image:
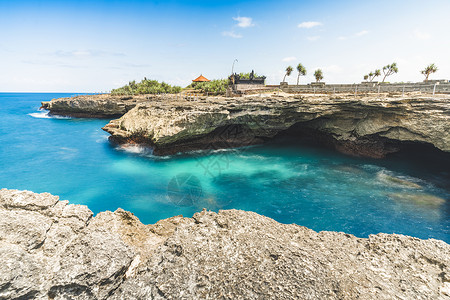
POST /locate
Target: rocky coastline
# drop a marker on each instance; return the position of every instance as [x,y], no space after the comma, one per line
[371,125]
[55,250]
[102,106]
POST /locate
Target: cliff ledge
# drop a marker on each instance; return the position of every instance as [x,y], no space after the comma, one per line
[370,126]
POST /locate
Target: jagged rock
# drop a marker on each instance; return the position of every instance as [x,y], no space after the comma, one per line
[227,255]
[369,126]
[93,106]
[54,249]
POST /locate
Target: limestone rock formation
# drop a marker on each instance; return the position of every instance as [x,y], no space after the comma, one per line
[51,248]
[54,250]
[93,106]
[367,126]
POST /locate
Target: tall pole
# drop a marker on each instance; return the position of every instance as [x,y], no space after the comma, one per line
[232,68]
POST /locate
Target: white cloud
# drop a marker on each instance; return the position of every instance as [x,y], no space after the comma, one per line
[289,58]
[85,53]
[356,35]
[51,62]
[232,34]
[420,35]
[309,24]
[361,33]
[313,38]
[244,22]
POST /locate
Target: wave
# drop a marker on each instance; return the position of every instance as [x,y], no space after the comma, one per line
[102,139]
[136,149]
[40,115]
[148,152]
[232,150]
[45,115]
[142,151]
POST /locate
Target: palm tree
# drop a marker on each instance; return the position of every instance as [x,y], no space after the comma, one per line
[389,70]
[377,73]
[432,68]
[318,74]
[371,76]
[288,72]
[301,71]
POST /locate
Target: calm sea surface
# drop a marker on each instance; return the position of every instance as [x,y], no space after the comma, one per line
[292,183]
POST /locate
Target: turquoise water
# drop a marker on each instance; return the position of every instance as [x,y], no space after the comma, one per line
[292,183]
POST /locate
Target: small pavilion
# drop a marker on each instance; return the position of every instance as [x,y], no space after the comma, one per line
[201,78]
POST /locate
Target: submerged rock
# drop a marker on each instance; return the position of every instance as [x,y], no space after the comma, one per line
[393,180]
[52,249]
[418,198]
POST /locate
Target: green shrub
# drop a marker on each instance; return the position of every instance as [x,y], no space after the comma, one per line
[213,87]
[247,75]
[146,86]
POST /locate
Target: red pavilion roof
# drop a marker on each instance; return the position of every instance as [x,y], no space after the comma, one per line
[200,79]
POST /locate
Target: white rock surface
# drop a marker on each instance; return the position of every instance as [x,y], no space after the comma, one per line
[50,249]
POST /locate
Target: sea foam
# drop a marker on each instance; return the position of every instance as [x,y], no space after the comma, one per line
[45,115]
[135,149]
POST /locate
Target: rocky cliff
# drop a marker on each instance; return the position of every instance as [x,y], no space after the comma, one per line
[51,249]
[366,126]
[93,106]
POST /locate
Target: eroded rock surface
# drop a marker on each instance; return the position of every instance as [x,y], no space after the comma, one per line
[93,106]
[370,126]
[54,250]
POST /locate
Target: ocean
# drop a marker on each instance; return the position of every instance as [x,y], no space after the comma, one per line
[291,182]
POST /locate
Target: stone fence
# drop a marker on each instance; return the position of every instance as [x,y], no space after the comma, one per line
[440,87]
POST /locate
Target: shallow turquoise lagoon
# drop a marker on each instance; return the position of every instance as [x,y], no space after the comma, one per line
[292,183]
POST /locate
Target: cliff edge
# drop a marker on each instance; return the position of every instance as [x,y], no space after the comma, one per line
[370,126]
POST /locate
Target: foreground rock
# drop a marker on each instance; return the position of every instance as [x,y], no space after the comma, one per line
[51,249]
[370,126]
[93,106]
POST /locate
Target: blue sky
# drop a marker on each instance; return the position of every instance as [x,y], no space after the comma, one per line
[93,46]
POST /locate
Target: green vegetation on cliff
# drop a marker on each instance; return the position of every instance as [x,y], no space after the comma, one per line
[146,86]
[213,87]
[247,75]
